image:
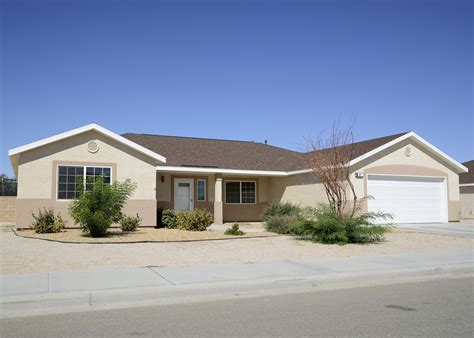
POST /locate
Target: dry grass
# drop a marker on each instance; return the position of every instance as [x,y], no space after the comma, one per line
[141,235]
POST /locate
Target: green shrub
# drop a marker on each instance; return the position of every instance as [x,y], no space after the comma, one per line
[279,224]
[130,223]
[274,209]
[168,219]
[100,206]
[329,228]
[47,222]
[234,230]
[197,220]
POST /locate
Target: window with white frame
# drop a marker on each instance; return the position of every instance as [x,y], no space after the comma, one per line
[71,178]
[240,192]
[201,190]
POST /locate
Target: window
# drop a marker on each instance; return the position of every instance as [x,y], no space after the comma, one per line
[71,177]
[201,190]
[92,173]
[241,192]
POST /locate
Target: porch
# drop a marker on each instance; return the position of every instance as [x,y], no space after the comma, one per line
[231,197]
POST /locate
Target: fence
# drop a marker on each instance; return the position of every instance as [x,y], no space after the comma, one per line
[8,186]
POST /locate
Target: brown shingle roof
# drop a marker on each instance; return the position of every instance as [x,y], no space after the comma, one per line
[228,154]
[202,152]
[360,148]
[468,177]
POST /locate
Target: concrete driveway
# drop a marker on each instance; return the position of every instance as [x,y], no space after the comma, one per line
[461,229]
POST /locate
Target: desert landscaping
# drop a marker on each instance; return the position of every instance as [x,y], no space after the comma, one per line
[27,255]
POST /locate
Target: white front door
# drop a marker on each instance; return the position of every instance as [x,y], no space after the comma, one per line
[183,194]
[409,199]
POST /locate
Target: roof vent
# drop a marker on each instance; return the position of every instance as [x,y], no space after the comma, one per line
[92,147]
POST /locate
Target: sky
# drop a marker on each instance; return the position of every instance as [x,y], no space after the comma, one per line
[280,71]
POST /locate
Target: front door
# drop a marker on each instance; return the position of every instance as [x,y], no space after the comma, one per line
[183,194]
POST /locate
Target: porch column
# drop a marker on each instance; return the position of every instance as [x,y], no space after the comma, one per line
[218,207]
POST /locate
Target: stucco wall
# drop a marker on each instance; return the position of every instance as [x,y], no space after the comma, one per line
[37,175]
[467,202]
[304,190]
[7,208]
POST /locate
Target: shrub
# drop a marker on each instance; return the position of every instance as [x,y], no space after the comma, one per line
[97,208]
[279,224]
[234,230]
[280,209]
[47,222]
[330,228]
[168,218]
[130,223]
[197,220]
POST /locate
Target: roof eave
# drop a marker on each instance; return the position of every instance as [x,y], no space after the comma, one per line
[83,129]
[459,167]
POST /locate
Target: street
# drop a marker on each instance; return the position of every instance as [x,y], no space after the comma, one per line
[434,308]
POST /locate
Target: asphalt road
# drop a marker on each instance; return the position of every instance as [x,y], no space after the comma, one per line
[436,308]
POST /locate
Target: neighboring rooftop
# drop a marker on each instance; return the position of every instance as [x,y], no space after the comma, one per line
[466,178]
[246,155]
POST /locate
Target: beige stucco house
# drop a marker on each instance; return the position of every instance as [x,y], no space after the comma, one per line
[466,191]
[405,175]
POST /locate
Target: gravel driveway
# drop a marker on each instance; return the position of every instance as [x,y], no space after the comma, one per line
[23,255]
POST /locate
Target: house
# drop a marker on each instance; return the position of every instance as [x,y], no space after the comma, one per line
[406,175]
[466,191]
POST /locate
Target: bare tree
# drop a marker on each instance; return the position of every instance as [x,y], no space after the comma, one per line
[329,158]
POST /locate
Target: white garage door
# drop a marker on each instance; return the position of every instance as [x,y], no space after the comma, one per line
[408,199]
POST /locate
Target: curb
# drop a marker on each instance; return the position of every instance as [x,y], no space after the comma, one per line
[80,301]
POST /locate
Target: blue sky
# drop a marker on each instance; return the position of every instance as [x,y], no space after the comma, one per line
[249,70]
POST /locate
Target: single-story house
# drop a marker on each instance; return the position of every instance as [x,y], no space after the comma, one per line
[406,175]
[466,191]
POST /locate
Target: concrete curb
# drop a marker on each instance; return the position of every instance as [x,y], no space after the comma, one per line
[78,301]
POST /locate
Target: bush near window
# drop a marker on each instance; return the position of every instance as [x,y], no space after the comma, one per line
[47,222]
[130,223]
[196,220]
[234,231]
[168,218]
[98,207]
[275,209]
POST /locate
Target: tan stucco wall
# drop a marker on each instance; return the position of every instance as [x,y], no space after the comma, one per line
[306,190]
[37,178]
[303,190]
[7,208]
[467,202]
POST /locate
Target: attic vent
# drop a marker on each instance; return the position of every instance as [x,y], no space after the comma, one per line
[407,151]
[92,147]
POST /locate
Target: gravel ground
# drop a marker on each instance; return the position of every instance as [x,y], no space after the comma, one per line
[141,235]
[24,255]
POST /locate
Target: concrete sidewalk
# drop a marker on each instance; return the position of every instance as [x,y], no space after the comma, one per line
[59,291]
[456,229]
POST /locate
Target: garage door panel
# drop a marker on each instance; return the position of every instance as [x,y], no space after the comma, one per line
[408,199]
